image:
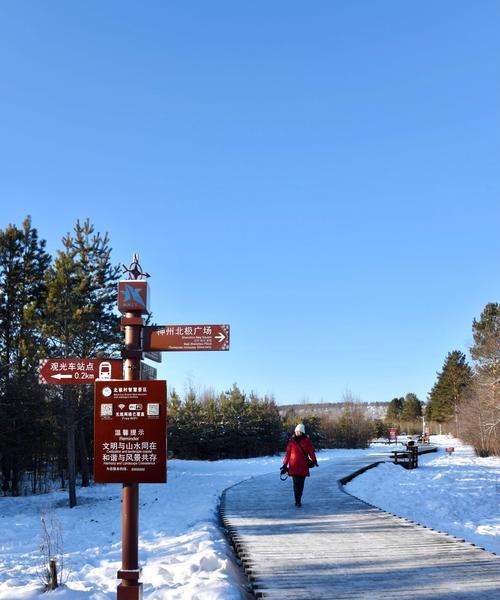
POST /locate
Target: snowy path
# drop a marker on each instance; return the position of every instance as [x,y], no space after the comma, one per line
[337,546]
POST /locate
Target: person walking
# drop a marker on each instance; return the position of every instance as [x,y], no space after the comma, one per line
[299,458]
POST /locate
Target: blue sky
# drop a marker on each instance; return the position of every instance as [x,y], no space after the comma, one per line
[321,176]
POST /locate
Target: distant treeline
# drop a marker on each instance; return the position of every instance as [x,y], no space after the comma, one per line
[235,425]
[227,425]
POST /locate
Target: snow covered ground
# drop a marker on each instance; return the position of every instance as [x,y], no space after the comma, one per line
[457,494]
[182,550]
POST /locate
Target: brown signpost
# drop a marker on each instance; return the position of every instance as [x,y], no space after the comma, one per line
[176,338]
[130,407]
[78,371]
[130,415]
[130,426]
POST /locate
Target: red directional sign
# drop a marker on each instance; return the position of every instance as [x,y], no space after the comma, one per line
[393,434]
[171,338]
[79,371]
[130,431]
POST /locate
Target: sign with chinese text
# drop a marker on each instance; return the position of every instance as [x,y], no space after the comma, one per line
[79,371]
[186,337]
[133,296]
[130,431]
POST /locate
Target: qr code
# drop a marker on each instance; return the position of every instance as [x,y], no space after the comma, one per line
[106,410]
[153,410]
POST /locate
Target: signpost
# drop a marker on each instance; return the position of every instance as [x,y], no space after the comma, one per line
[450,450]
[78,371]
[130,407]
[170,338]
[140,341]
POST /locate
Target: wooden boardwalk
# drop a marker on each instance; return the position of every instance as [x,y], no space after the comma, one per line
[337,546]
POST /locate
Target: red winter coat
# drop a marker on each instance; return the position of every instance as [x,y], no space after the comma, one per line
[296,459]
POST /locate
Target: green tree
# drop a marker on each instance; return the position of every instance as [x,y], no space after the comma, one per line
[80,321]
[394,409]
[486,333]
[412,408]
[447,392]
[228,425]
[23,262]
[379,428]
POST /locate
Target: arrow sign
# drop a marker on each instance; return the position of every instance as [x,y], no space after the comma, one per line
[174,338]
[78,371]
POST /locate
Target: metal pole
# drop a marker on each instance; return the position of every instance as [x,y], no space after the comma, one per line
[130,587]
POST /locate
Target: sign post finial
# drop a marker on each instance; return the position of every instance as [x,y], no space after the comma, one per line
[134,270]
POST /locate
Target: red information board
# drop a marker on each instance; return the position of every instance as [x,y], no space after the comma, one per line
[186,337]
[130,431]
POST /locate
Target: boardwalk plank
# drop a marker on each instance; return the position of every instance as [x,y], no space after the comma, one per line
[337,546]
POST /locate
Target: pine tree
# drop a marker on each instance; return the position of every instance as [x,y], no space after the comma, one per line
[394,409]
[412,408]
[481,411]
[447,392]
[486,333]
[23,262]
[80,321]
[228,425]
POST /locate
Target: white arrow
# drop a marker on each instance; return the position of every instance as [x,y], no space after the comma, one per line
[220,337]
[61,376]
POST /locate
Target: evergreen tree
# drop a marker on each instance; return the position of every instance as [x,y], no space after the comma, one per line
[486,333]
[228,425]
[480,423]
[23,261]
[447,392]
[394,410]
[412,408]
[80,321]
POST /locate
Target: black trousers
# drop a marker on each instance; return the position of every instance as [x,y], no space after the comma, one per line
[298,486]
